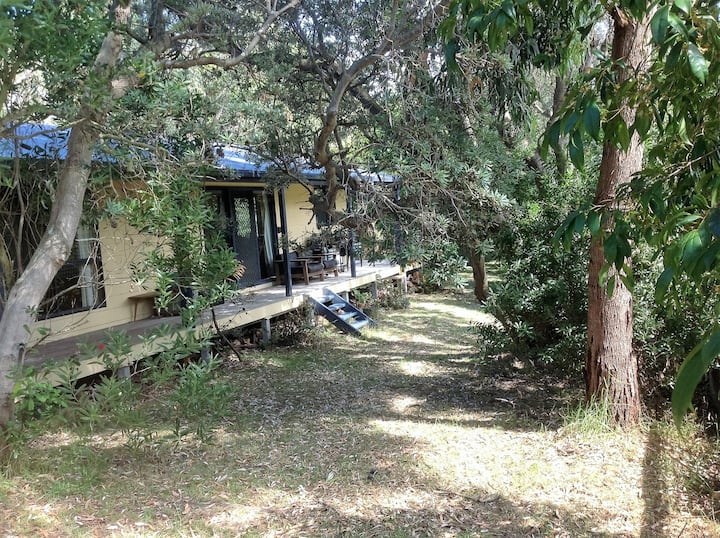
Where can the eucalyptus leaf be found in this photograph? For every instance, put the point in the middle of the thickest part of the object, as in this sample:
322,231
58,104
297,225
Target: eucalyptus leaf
692,371
593,222
684,5
610,248
643,121
663,284
712,221
576,150
622,135
591,120
659,24
698,64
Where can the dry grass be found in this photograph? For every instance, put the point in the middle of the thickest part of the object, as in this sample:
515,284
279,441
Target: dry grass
404,432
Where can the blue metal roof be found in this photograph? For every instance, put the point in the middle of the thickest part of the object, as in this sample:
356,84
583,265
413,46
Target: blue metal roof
36,141
47,141
241,161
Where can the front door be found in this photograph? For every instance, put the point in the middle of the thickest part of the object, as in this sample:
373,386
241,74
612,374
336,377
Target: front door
245,235
248,220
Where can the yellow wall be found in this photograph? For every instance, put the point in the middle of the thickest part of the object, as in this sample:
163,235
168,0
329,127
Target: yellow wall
120,247
299,212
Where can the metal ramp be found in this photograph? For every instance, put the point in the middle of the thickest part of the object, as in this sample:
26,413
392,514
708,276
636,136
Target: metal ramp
340,312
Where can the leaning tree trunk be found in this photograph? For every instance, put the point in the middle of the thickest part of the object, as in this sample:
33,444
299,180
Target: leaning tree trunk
19,313
53,250
611,367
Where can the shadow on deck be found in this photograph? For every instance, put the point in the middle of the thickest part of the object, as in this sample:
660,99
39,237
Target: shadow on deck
252,306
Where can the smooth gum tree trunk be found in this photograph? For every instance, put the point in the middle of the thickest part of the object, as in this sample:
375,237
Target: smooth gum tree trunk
611,367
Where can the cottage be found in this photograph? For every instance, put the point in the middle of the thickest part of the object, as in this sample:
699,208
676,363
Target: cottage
95,290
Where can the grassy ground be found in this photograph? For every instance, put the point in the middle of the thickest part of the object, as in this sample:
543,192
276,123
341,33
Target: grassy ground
403,432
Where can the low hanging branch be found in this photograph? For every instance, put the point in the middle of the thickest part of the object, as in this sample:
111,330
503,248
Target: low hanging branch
344,84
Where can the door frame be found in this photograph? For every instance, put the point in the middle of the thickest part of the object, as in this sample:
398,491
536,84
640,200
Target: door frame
225,196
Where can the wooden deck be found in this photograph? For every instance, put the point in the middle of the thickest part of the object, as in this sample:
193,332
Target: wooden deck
252,306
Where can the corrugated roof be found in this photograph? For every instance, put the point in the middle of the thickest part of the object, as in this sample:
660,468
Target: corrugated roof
36,141
47,141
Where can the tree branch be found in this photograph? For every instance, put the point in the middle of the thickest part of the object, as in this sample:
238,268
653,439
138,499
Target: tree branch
238,59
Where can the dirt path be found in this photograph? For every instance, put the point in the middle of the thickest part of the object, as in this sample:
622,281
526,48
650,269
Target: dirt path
404,432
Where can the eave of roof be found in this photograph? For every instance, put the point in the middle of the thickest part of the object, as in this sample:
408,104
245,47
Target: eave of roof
47,141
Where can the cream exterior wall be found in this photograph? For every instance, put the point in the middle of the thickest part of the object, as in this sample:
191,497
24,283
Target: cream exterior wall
299,212
120,246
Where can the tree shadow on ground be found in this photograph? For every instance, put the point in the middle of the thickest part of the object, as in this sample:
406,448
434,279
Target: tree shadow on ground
355,437
654,488
331,478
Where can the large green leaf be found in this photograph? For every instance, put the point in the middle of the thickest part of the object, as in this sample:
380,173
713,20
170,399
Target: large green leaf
643,120
591,120
659,24
684,5
663,283
617,131
698,64
451,49
693,369
552,136
593,222
610,248
691,247
713,221
576,150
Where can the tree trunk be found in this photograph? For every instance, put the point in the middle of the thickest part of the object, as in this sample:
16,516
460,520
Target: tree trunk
20,311
611,368
482,287
558,100
53,250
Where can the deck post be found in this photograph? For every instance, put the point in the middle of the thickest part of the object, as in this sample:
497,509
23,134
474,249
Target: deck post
374,290
351,245
286,241
123,372
310,317
265,324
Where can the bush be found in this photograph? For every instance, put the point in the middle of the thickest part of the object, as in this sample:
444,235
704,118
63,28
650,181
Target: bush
443,267
541,301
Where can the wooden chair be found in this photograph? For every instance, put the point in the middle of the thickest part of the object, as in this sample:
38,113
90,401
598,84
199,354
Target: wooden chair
301,267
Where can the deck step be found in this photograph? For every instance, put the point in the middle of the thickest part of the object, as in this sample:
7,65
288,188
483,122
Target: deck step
357,325
341,313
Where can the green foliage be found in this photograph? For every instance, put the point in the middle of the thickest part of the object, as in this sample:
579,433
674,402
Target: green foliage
457,191
388,296
58,41
675,196
588,419
37,397
444,266
200,400
191,264
541,301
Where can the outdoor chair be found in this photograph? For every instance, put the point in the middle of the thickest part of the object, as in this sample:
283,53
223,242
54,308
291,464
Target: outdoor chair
301,267
329,259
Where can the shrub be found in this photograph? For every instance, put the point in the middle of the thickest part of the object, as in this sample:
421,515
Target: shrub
541,301
443,267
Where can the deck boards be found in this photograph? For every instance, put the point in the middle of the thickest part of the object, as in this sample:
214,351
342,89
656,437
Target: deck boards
251,307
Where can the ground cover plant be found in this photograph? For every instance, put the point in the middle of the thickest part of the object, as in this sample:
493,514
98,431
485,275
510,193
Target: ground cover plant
406,431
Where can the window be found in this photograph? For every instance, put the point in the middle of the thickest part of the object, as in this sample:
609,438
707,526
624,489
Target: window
78,285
